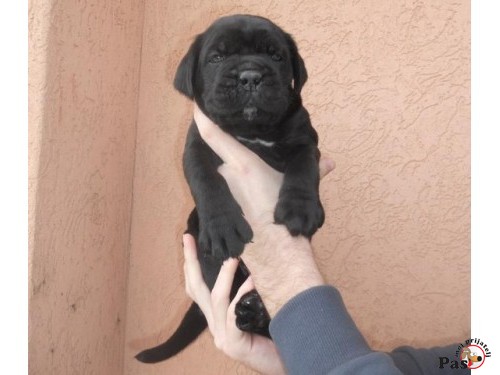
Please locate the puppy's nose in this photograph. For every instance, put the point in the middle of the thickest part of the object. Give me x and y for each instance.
(250, 79)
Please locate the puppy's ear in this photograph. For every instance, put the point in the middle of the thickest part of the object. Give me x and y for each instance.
(298, 65)
(185, 75)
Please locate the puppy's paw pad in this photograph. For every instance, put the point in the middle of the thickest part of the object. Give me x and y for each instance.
(251, 314)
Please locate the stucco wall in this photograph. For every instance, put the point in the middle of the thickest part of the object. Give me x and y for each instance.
(84, 70)
(389, 93)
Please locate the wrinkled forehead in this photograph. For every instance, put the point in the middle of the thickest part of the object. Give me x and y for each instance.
(237, 35)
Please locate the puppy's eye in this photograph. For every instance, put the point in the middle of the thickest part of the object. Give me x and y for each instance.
(276, 57)
(217, 58)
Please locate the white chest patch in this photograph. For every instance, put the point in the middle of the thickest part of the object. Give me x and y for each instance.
(256, 141)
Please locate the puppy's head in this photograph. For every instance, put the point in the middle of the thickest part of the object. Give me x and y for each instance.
(244, 72)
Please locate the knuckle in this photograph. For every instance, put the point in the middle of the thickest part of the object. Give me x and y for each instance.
(232, 352)
(244, 169)
(223, 169)
(219, 343)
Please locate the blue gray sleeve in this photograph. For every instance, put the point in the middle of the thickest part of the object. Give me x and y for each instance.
(437, 360)
(315, 334)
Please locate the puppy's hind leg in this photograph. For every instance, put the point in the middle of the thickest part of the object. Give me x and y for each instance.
(251, 314)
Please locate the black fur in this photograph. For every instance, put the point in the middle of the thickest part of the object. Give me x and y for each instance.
(246, 74)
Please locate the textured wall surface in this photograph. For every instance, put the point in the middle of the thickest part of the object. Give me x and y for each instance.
(84, 70)
(389, 94)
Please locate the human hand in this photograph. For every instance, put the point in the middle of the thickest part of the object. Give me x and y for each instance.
(255, 351)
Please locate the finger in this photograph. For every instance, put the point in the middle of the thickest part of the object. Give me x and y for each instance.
(195, 285)
(220, 295)
(228, 148)
(189, 246)
(326, 165)
(192, 268)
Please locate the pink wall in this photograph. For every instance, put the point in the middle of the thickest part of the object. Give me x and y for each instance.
(84, 78)
(389, 93)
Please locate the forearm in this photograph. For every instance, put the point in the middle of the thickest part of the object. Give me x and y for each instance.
(282, 266)
(310, 325)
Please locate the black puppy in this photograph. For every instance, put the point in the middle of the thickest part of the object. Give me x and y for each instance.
(245, 74)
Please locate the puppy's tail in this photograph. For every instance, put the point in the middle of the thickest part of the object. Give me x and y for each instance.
(192, 325)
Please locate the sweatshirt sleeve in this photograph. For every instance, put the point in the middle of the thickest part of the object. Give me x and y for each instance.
(412, 361)
(315, 334)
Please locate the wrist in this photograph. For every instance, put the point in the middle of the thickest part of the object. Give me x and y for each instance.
(282, 266)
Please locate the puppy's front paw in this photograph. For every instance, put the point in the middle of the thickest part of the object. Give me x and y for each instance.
(300, 211)
(224, 235)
